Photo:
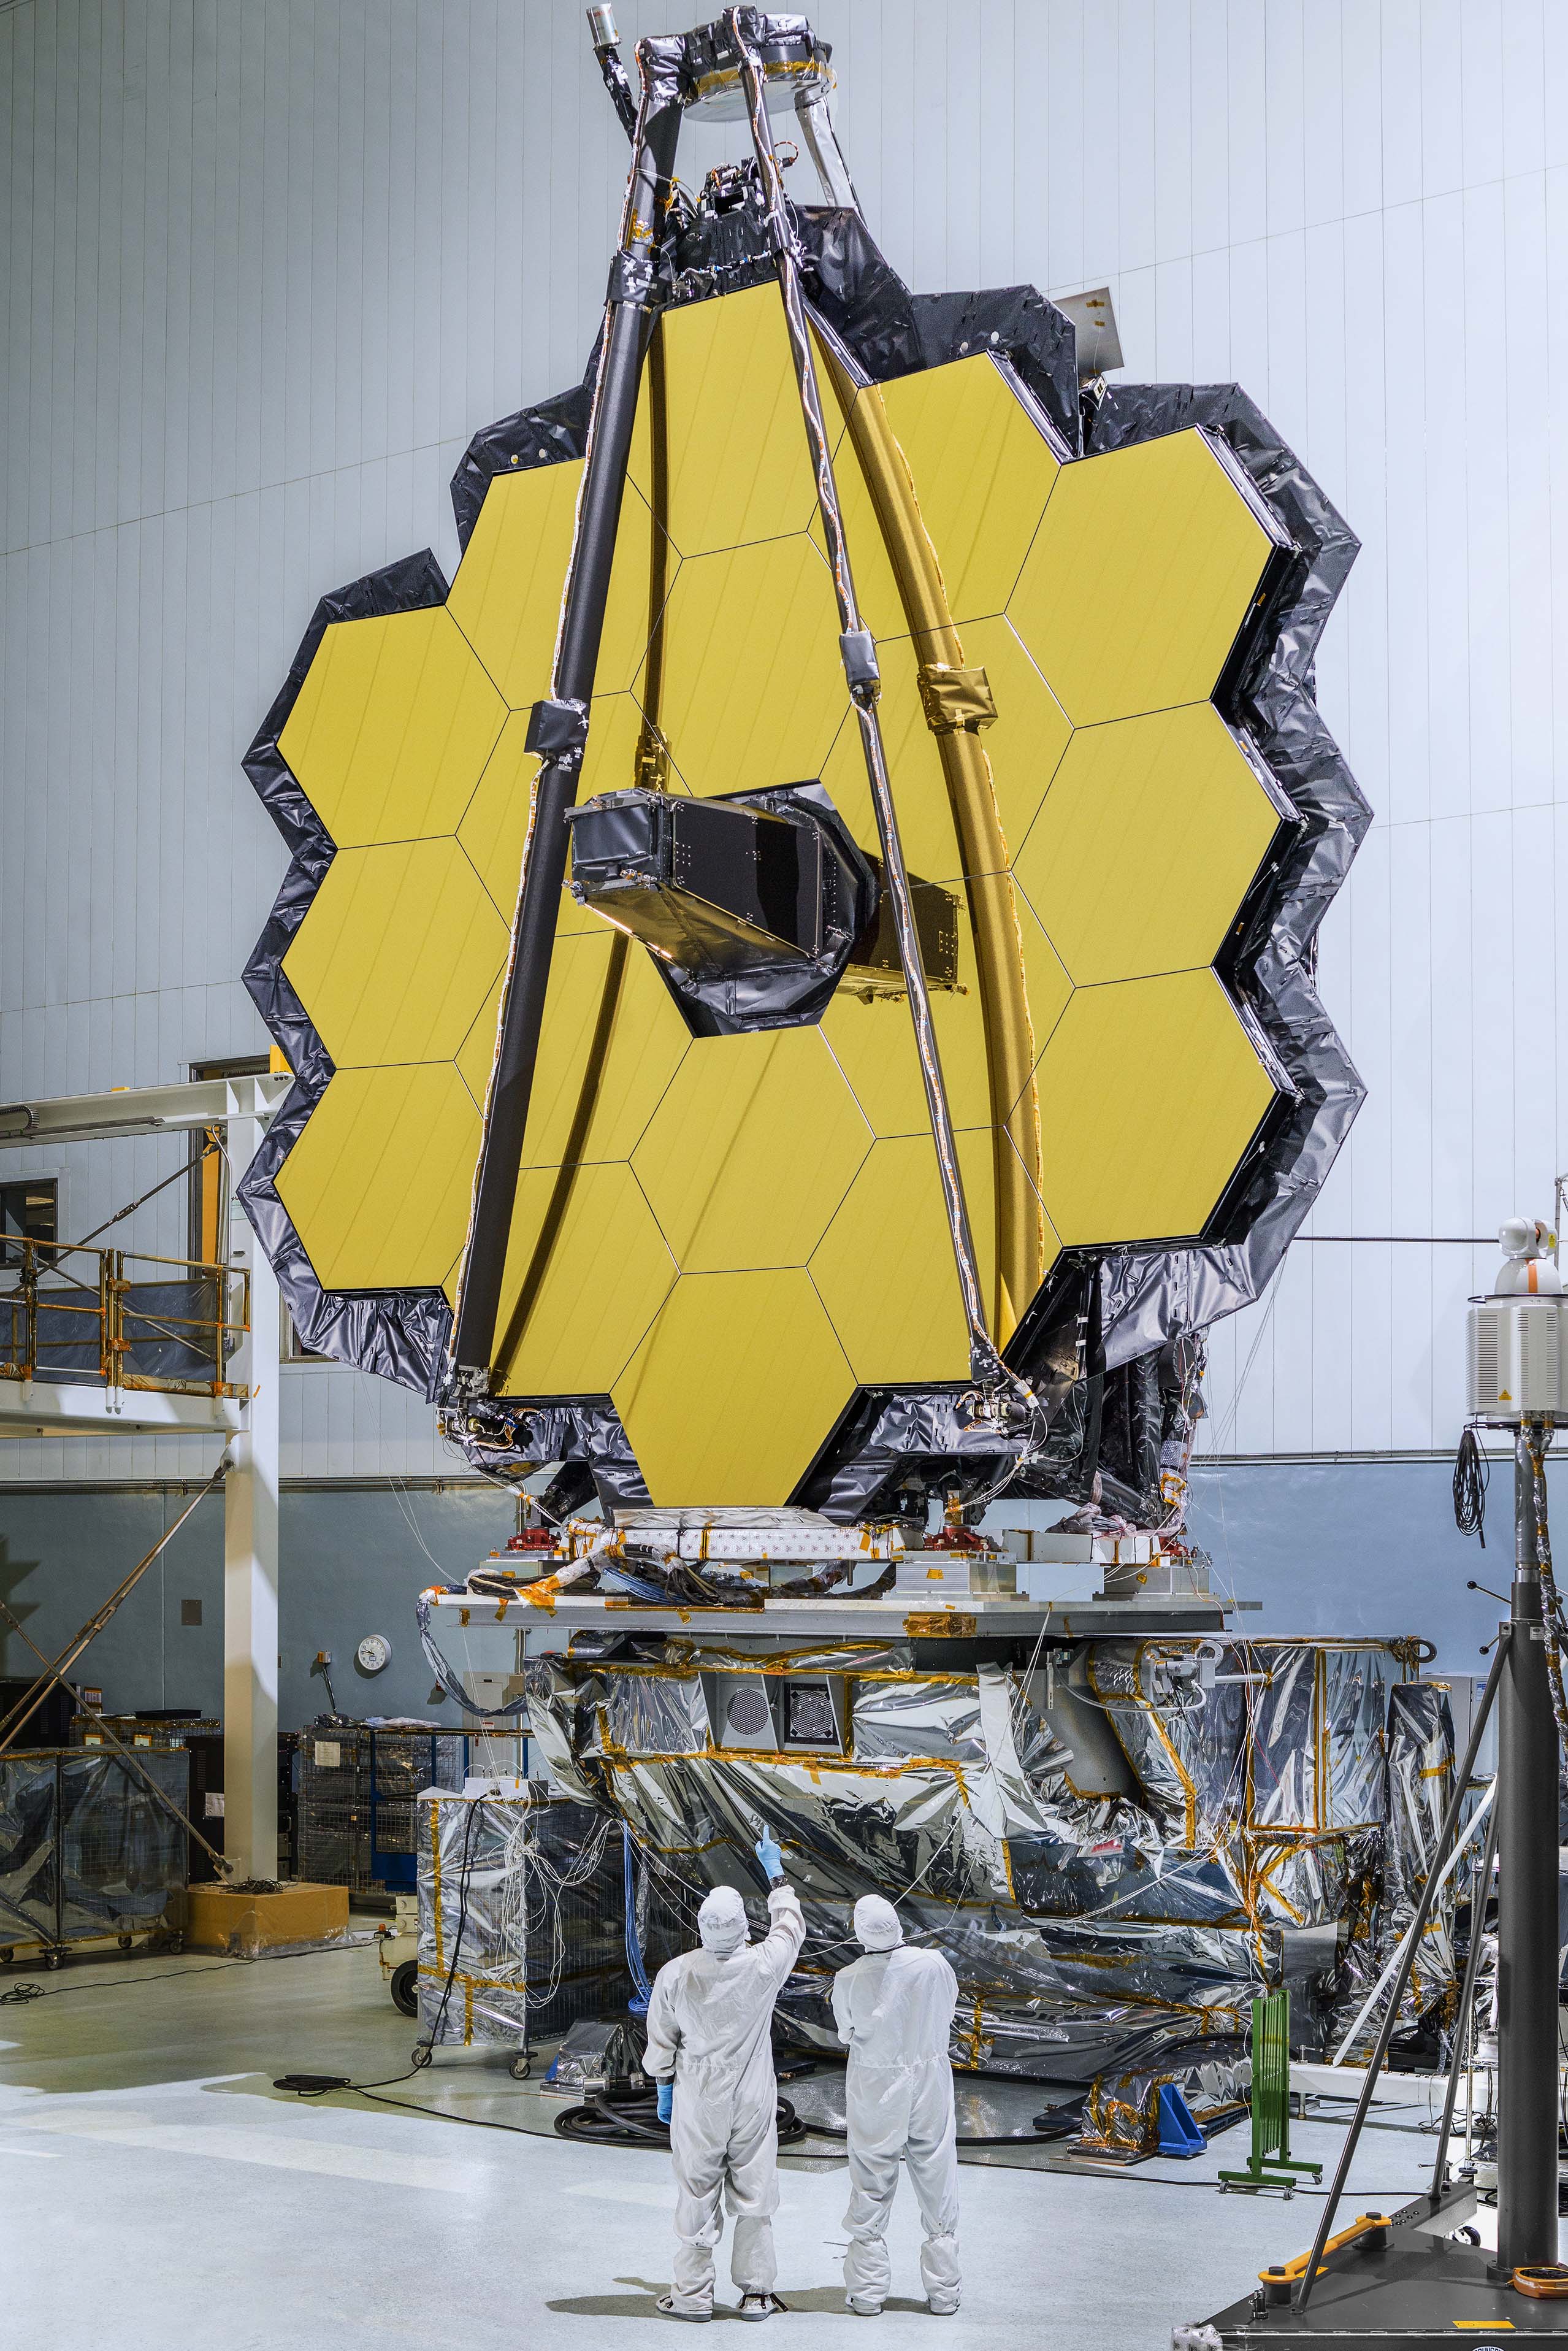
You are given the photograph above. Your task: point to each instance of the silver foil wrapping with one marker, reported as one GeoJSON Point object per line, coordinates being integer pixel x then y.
{"type": "Point", "coordinates": [1116, 1850]}
{"type": "Point", "coordinates": [1421, 1765]}
{"type": "Point", "coordinates": [521, 1918]}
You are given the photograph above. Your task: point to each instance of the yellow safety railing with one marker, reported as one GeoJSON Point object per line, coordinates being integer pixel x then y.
{"type": "Point", "coordinates": [97, 1317]}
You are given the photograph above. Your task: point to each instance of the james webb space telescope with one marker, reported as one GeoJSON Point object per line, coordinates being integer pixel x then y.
{"type": "Point", "coordinates": [798, 961]}
{"type": "Point", "coordinates": [798, 968]}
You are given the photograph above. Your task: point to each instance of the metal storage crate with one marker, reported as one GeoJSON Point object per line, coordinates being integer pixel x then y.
{"type": "Point", "coordinates": [86, 1849]}
{"type": "Point", "coordinates": [356, 1792]}
{"type": "Point", "coordinates": [162, 1732]}
{"type": "Point", "coordinates": [537, 1882]}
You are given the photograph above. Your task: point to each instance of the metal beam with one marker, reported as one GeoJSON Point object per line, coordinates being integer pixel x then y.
{"type": "Point", "coordinates": [139, 1109]}
{"type": "Point", "coordinates": [48, 1408]}
{"type": "Point", "coordinates": [886, 1620]}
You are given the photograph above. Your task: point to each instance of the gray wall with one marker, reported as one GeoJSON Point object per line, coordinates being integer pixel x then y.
{"type": "Point", "coordinates": [1358, 1547]}
{"type": "Point", "coordinates": [1364, 1547]}
{"type": "Point", "coordinates": [1343, 1548]}
{"type": "Point", "coordinates": [350, 1565]}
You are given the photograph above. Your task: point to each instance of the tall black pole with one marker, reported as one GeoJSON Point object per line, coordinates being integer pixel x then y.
{"type": "Point", "coordinates": [1526, 1905]}
{"type": "Point", "coordinates": [558, 731]}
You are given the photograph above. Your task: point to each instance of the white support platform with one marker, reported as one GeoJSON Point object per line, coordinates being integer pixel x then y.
{"type": "Point", "coordinates": [249, 1426]}
{"type": "Point", "coordinates": [548, 1624]}
{"type": "Point", "coordinates": [54, 1408]}
{"type": "Point", "coordinates": [1349, 2081]}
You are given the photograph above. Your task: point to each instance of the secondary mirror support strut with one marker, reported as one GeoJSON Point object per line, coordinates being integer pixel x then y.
{"type": "Point", "coordinates": [864, 680]}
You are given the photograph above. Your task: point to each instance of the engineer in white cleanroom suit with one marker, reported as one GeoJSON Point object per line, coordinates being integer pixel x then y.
{"type": "Point", "coordinates": [895, 2008]}
{"type": "Point", "coordinates": [710, 2049]}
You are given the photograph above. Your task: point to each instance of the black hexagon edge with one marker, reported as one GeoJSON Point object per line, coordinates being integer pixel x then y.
{"type": "Point", "coordinates": [400, 1334]}
{"type": "Point", "coordinates": [1101, 1341]}
{"type": "Point", "coordinates": [1118, 1312]}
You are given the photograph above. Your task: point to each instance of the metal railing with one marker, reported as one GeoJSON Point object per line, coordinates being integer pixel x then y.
{"type": "Point", "coordinates": [174, 1329]}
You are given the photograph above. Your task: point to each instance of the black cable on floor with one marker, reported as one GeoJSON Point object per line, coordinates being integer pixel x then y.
{"type": "Point", "coordinates": [442, 2113]}
{"type": "Point", "coordinates": [321, 2085]}
{"type": "Point", "coordinates": [967, 2138]}
{"type": "Point", "coordinates": [806, 2130]}
{"type": "Point", "coordinates": [631, 2119]}
{"type": "Point", "coordinates": [792, 2127]}
{"type": "Point", "coordinates": [809, 2130]}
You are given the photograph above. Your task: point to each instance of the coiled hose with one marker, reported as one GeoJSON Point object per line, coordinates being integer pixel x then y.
{"type": "Point", "coordinates": [630, 2118]}
{"type": "Point", "coordinates": [1066, 2127]}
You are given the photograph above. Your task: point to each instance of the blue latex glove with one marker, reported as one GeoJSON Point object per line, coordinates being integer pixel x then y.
{"type": "Point", "coordinates": [666, 2100]}
{"type": "Point", "coordinates": [771, 1858]}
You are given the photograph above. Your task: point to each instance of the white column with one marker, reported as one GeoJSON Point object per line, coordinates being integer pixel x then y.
{"type": "Point", "coordinates": [250, 1563]}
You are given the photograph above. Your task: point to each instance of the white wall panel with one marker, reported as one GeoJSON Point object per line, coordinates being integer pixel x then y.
{"type": "Point", "coordinates": [265, 266]}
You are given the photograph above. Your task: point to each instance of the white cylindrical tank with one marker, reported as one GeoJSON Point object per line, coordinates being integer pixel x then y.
{"type": "Point", "coordinates": [1518, 1337]}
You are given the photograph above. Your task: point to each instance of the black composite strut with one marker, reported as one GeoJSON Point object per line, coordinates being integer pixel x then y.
{"type": "Point", "coordinates": [557, 729]}
{"type": "Point", "coordinates": [1527, 1926]}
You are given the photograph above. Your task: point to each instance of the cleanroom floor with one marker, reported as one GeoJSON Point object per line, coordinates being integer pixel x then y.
{"type": "Point", "coordinates": [159, 2194]}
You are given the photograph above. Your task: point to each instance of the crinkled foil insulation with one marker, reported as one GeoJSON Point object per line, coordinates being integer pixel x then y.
{"type": "Point", "coordinates": [521, 1916]}
{"type": "Point", "coordinates": [1114, 1859]}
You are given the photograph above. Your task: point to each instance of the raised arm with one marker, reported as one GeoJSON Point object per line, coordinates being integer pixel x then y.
{"type": "Point", "coordinates": [780, 1947]}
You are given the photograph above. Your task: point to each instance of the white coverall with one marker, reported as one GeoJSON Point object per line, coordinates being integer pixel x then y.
{"type": "Point", "coordinates": [709, 2025]}
{"type": "Point", "coordinates": [895, 2008]}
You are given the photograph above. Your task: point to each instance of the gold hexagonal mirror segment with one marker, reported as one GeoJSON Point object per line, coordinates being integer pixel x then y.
{"type": "Point", "coordinates": [377, 1186]}
{"type": "Point", "coordinates": [407, 990]}
{"type": "Point", "coordinates": [895, 1330]}
{"type": "Point", "coordinates": [392, 728]}
{"type": "Point", "coordinates": [1139, 579]}
{"type": "Point", "coordinates": [752, 1148]}
{"type": "Point", "coordinates": [507, 596]}
{"type": "Point", "coordinates": [735, 1389]}
{"type": "Point", "coordinates": [587, 1270]}
{"type": "Point", "coordinates": [1147, 1158]}
{"type": "Point", "coordinates": [610, 1044]}
{"type": "Point", "coordinates": [736, 466]}
{"type": "Point", "coordinates": [1146, 843]}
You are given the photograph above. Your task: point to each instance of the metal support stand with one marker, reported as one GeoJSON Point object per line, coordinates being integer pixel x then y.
{"type": "Point", "coordinates": [1463, 2023]}
{"type": "Point", "coordinates": [1269, 2163]}
{"type": "Point", "coordinates": [1401, 2276]}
